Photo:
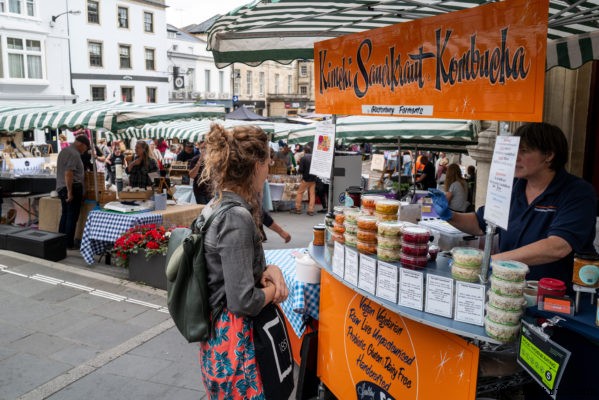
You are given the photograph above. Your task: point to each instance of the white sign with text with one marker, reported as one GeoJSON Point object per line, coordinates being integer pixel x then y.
{"type": "Point", "coordinates": [411, 288]}
{"type": "Point", "coordinates": [324, 150]}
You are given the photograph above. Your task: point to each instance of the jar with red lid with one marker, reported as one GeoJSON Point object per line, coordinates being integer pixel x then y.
{"type": "Point", "coordinates": [550, 287]}
{"type": "Point", "coordinates": [413, 261]}
{"type": "Point", "coordinates": [416, 235]}
{"type": "Point", "coordinates": [412, 249]}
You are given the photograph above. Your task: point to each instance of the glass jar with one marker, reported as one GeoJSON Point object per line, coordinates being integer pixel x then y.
{"type": "Point", "coordinates": [318, 235]}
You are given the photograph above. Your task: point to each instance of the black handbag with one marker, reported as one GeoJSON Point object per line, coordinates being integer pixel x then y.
{"type": "Point", "coordinates": [273, 353]}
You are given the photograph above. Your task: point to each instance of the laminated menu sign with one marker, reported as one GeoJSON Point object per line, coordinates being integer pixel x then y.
{"type": "Point", "coordinates": [439, 295]}
{"type": "Point", "coordinates": [367, 273]}
{"type": "Point", "coordinates": [339, 259]}
{"type": "Point", "coordinates": [324, 149]}
{"type": "Point", "coordinates": [501, 178]}
{"type": "Point", "coordinates": [469, 303]}
{"type": "Point", "coordinates": [386, 281]}
{"type": "Point", "coordinates": [351, 266]}
{"type": "Point", "coordinates": [411, 288]}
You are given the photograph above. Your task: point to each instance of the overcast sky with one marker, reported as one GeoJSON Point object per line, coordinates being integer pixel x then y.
{"type": "Point", "coordinates": [185, 12]}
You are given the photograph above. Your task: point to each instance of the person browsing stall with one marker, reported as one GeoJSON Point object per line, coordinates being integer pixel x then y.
{"type": "Point", "coordinates": [456, 188]}
{"type": "Point", "coordinates": [69, 185]}
{"type": "Point", "coordinates": [236, 164]}
{"type": "Point", "coordinates": [188, 152]}
{"type": "Point", "coordinates": [552, 213]}
{"type": "Point", "coordinates": [141, 166]}
{"type": "Point", "coordinates": [427, 175]}
{"type": "Point", "coordinates": [308, 183]}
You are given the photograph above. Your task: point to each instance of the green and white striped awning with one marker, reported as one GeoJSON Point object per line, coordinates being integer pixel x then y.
{"type": "Point", "coordinates": [286, 30]}
{"type": "Point", "coordinates": [14, 107]}
{"type": "Point", "coordinates": [194, 130]}
{"type": "Point", "coordinates": [390, 129]}
{"type": "Point", "coordinates": [111, 115]}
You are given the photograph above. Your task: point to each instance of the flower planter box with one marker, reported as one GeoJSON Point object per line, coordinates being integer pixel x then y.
{"type": "Point", "coordinates": [150, 271]}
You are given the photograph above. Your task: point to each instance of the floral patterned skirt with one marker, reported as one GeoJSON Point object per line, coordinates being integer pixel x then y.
{"type": "Point", "coordinates": [228, 362]}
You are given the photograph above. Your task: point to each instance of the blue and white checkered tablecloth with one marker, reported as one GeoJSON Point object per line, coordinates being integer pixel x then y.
{"type": "Point", "coordinates": [304, 298]}
{"type": "Point", "coordinates": [103, 228]}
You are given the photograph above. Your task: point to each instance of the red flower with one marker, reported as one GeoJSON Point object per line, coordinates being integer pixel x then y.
{"type": "Point", "coordinates": [152, 245]}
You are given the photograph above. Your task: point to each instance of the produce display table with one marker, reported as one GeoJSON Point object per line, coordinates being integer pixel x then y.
{"type": "Point", "coordinates": [103, 228]}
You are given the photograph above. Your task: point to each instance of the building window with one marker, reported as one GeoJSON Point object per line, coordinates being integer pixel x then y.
{"type": "Point", "coordinates": [2, 7]}
{"type": "Point", "coordinates": [150, 64]}
{"type": "Point", "coordinates": [93, 12]}
{"type": "Point", "coordinates": [31, 8]}
{"type": "Point", "coordinates": [289, 84]}
{"type": "Point", "coordinates": [24, 58]}
{"type": "Point", "coordinates": [172, 35]}
{"type": "Point", "coordinates": [95, 54]}
{"type": "Point", "coordinates": [14, 6]}
{"type": "Point", "coordinates": [277, 79]}
{"type": "Point", "coordinates": [249, 83]}
{"type": "Point", "coordinates": [125, 56]}
{"type": "Point", "coordinates": [261, 83]}
{"type": "Point", "coordinates": [98, 93]}
{"type": "Point", "coordinates": [123, 17]}
{"type": "Point", "coordinates": [148, 22]}
{"type": "Point", "coordinates": [236, 82]}
{"type": "Point", "coordinates": [221, 81]}
{"type": "Point", "coordinates": [25, 7]}
{"type": "Point", "coordinates": [1, 58]}
{"type": "Point", "coordinates": [151, 95]}
{"type": "Point", "coordinates": [303, 90]}
{"type": "Point", "coordinates": [206, 80]}
{"type": "Point", "coordinates": [127, 94]}
{"type": "Point", "coordinates": [303, 70]}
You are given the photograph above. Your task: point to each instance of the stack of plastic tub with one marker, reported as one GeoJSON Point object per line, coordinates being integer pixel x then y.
{"type": "Point", "coordinates": [414, 246]}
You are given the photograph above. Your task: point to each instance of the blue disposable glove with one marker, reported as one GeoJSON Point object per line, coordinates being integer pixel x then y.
{"type": "Point", "coordinates": [440, 204]}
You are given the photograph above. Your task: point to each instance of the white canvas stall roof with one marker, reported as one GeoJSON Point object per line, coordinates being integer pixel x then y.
{"type": "Point", "coordinates": [111, 115]}
{"type": "Point", "coordinates": [389, 129]}
{"type": "Point", "coordinates": [195, 130]}
{"type": "Point", "coordinates": [286, 30]}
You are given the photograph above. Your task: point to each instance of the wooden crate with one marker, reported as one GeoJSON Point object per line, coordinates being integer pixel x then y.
{"type": "Point", "coordinates": [89, 180]}
{"type": "Point", "coordinates": [143, 195]}
{"type": "Point", "coordinates": [106, 196]}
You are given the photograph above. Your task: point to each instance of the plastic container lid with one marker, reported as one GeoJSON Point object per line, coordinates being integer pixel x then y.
{"type": "Point", "coordinates": [367, 222]}
{"type": "Point", "coordinates": [501, 332]}
{"type": "Point", "coordinates": [388, 206]}
{"type": "Point", "coordinates": [509, 270]}
{"type": "Point", "coordinates": [552, 284]}
{"type": "Point", "coordinates": [390, 228]}
{"type": "Point", "coordinates": [467, 256]}
{"type": "Point", "coordinates": [413, 249]}
{"type": "Point", "coordinates": [319, 227]}
{"type": "Point", "coordinates": [413, 261]}
{"type": "Point", "coordinates": [416, 234]}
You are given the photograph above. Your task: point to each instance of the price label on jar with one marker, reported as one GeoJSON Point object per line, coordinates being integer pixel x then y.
{"type": "Point", "coordinates": [339, 259]}
{"type": "Point", "coordinates": [367, 273]}
{"type": "Point", "coordinates": [411, 288]}
{"type": "Point", "coordinates": [351, 266]}
{"type": "Point", "coordinates": [470, 303]}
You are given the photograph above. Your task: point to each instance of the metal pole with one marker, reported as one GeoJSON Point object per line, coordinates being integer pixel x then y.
{"type": "Point", "coordinates": [490, 232]}
{"type": "Point", "coordinates": [331, 181]}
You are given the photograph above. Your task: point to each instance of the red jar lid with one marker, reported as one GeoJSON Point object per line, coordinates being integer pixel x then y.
{"type": "Point", "coordinates": [552, 284]}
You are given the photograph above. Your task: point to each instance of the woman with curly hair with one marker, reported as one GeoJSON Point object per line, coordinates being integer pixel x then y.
{"type": "Point", "coordinates": [456, 188]}
{"type": "Point", "coordinates": [236, 165]}
{"type": "Point", "coordinates": [141, 166]}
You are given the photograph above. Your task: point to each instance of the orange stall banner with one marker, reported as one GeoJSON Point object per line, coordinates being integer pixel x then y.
{"type": "Point", "coordinates": [487, 62]}
{"type": "Point", "coordinates": [366, 351]}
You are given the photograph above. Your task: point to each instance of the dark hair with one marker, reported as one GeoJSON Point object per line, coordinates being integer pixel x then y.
{"type": "Point", "coordinates": [548, 139]}
{"type": "Point", "coordinates": [230, 163]}
{"type": "Point", "coordinates": [307, 149]}
{"type": "Point", "coordinates": [83, 139]}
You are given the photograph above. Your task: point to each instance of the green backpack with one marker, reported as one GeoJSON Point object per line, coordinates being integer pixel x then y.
{"type": "Point", "coordinates": [187, 284]}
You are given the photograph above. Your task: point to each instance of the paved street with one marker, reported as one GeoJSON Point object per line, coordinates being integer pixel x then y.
{"type": "Point", "coordinates": [69, 331]}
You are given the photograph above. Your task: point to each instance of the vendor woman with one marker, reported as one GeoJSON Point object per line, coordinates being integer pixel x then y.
{"type": "Point", "coordinates": [552, 213]}
{"type": "Point", "coordinates": [141, 166]}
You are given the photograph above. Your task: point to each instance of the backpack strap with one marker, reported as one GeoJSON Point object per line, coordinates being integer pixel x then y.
{"type": "Point", "coordinates": [201, 228]}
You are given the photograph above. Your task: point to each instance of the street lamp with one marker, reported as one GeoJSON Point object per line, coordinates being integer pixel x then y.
{"type": "Point", "coordinates": [52, 22]}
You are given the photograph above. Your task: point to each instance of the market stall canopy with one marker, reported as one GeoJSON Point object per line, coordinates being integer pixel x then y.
{"type": "Point", "coordinates": [14, 107]}
{"type": "Point", "coordinates": [286, 30]}
{"type": "Point", "coordinates": [111, 115]}
{"type": "Point", "coordinates": [389, 129]}
{"type": "Point", "coordinates": [243, 114]}
{"type": "Point", "coordinates": [194, 130]}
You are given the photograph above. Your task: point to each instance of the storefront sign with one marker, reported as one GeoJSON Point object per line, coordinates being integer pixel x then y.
{"type": "Point", "coordinates": [324, 149]}
{"type": "Point", "coordinates": [367, 273]}
{"type": "Point", "coordinates": [470, 303]}
{"type": "Point", "coordinates": [387, 281]}
{"type": "Point", "coordinates": [339, 259]}
{"type": "Point", "coordinates": [439, 295]}
{"type": "Point", "coordinates": [542, 358]}
{"type": "Point", "coordinates": [501, 179]}
{"type": "Point", "coordinates": [486, 62]}
{"type": "Point", "coordinates": [411, 288]}
{"type": "Point", "coordinates": [351, 266]}
{"type": "Point", "coordinates": [368, 352]}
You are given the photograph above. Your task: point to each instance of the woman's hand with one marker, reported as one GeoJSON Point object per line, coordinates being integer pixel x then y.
{"type": "Point", "coordinates": [273, 275]}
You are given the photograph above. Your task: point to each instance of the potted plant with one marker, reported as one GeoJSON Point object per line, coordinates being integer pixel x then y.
{"type": "Point", "coordinates": [143, 249]}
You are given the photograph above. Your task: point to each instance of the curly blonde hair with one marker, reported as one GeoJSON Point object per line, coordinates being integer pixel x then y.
{"type": "Point", "coordinates": [230, 162]}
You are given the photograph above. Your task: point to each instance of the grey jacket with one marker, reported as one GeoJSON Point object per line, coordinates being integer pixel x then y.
{"type": "Point", "coordinates": [235, 258]}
